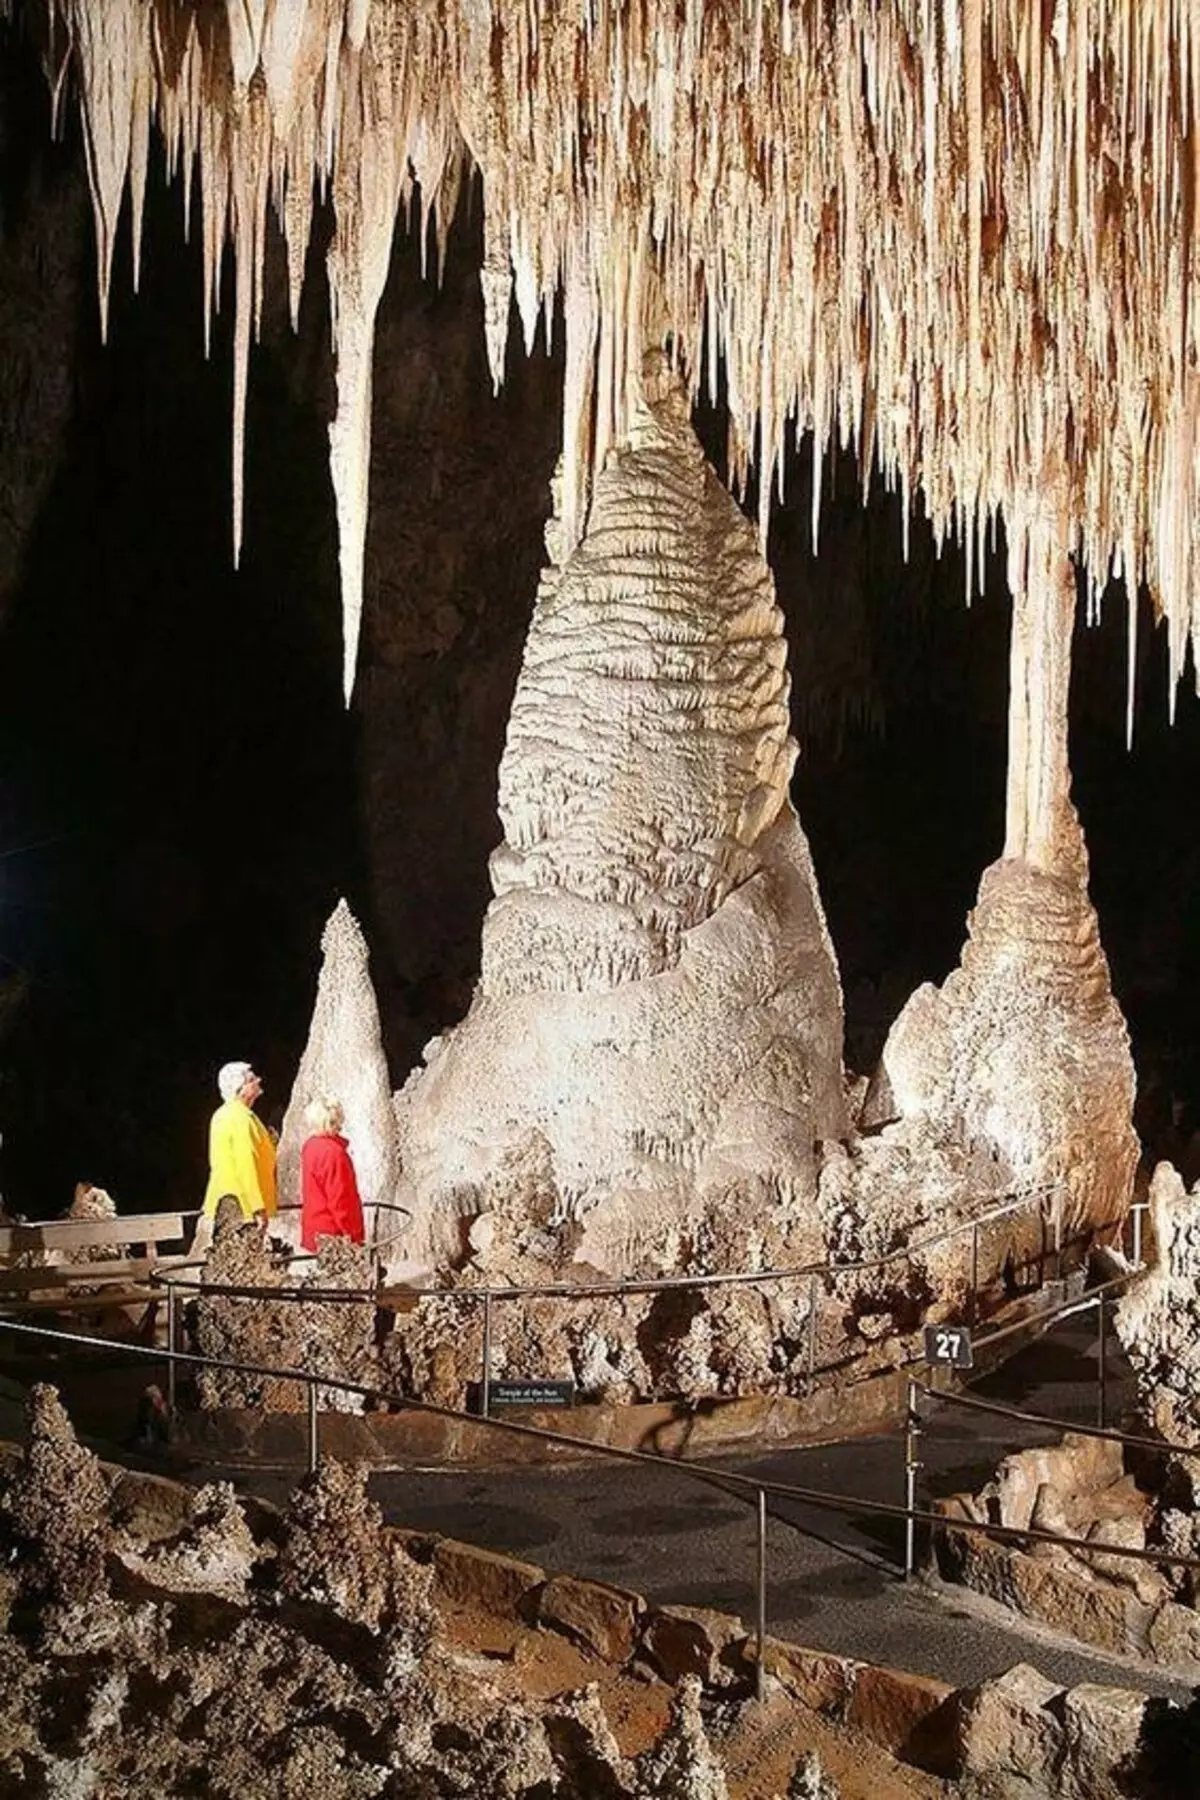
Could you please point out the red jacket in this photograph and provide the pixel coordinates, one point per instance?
(329, 1202)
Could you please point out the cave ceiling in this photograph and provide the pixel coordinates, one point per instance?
(957, 234)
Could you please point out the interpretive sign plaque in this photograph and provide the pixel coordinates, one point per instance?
(949, 1347)
(531, 1393)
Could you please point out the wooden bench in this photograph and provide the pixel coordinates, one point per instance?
(88, 1287)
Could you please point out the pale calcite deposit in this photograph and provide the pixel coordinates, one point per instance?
(659, 1005)
(1023, 1053)
(951, 234)
(343, 1059)
(1158, 1318)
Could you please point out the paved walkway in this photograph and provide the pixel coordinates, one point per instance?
(834, 1581)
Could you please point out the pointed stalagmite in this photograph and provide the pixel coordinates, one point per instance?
(344, 1060)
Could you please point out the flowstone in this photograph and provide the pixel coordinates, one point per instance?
(658, 1012)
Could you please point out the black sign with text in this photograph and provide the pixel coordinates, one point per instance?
(531, 1393)
(949, 1347)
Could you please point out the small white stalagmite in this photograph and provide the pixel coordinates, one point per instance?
(344, 1060)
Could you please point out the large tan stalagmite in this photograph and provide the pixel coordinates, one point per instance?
(658, 1020)
(1024, 1051)
(344, 1059)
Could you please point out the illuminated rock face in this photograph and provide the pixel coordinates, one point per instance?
(659, 1006)
(1158, 1319)
(1023, 1052)
(343, 1060)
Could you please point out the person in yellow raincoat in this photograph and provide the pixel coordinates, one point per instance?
(241, 1151)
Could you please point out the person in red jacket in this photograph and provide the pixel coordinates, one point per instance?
(329, 1202)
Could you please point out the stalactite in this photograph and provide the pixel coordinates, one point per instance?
(960, 236)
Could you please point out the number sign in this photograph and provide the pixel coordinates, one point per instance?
(949, 1347)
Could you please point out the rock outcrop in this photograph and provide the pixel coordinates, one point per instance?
(1099, 1589)
(1158, 1318)
(659, 1007)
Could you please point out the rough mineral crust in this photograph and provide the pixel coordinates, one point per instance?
(325, 1336)
(1023, 1052)
(343, 1060)
(659, 999)
(1158, 1318)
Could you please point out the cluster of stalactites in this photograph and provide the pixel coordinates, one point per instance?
(958, 233)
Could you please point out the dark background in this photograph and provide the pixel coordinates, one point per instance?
(182, 796)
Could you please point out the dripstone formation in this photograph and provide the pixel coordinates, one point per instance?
(659, 1009)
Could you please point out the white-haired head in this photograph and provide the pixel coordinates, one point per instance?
(324, 1115)
(232, 1078)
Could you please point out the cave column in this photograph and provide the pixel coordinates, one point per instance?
(1040, 824)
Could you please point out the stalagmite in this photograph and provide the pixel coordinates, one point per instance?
(658, 1019)
(957, 235)
(1023, 1051)
(344, 1060)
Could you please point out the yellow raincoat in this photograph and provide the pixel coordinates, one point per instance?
(241, 1160)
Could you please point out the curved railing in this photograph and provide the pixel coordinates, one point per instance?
(187, 1279)
(755, 1491)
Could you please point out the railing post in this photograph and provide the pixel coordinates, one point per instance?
(1102, 1370)
(811, 1370)
(314, 1448)
(912, 1431)
(1058, 1236)
(172, 1346)
(760, 1669)
(973, 1301)
(486, 1376)
(1137, 1235)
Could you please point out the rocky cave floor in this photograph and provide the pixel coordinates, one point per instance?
(166, 1641)
(162, 1640)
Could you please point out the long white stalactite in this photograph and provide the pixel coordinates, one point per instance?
(959, 233)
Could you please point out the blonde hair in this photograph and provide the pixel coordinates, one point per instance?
(323, 1115)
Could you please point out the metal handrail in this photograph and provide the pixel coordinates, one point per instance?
(954, 1397)
(754, 1490)
(593, 1289)
(176, 1280)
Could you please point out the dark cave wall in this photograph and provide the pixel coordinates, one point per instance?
(182, 795)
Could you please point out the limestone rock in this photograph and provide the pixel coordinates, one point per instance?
(601, 1617)
(1158, 1317)
(682, 1765)
(215, 1552)
(1023, 1050)
(56, 1507)
(1006, 1727)
(810, 1782)
(659, 997)
(344, 1059)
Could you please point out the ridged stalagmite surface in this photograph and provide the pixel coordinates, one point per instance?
(960, 233)
(344, 1060)
(659, 1001)
(1023, 1051)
